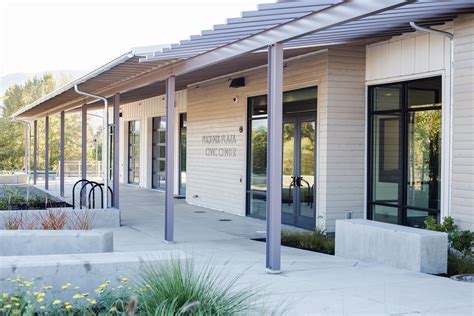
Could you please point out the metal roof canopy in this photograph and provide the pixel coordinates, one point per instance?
(297, 24)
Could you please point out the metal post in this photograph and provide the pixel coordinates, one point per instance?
(84, 142)
(115, 202)
(61, 154)
(274, 157)
(105, 155)
(46, 153)
(35, 150)
(169, 160)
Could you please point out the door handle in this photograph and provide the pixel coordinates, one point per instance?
(298, 181)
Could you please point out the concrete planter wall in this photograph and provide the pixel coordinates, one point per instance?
(46, 242)
(393, 245)
(109, 218)
(17, 178)
(87, 271)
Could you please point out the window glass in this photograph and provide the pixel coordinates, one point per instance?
(387, 97)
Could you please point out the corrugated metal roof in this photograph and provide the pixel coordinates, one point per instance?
(115, 75)
(388, 23)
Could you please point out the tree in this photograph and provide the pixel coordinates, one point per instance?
(12, 133)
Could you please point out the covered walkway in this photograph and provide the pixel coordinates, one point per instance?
(311, 283)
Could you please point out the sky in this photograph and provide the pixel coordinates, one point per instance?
(37, 36)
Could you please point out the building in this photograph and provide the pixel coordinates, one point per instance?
(370, 116)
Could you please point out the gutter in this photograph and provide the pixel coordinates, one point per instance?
(105, 142)
(450, 109)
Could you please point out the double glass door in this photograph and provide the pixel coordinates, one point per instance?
(299, 151)
(298, 171)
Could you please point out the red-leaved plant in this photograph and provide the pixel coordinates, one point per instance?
(52, 219)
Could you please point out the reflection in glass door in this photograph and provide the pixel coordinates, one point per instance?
(134, 152)
(298, 172)
(158, 177)
(299, 149)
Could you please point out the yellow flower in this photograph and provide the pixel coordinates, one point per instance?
(120, 287)
(66, 286)
(39, 300)
(28, 284)
(77, 288)
(113, 309)
(92, 301)
(124, 279)
(47, 287)
(56, 302)
(5, 295)
(8, 306)
(67, 305)
(42, 307)
(85, 294)
(76, 296)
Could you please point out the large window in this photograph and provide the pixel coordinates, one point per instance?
(134, 152)
(405, 151)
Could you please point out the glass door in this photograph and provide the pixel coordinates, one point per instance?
(299, 149)
(158, 177)
(298, 172)
(134, 152)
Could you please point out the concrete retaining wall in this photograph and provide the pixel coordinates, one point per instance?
(394, 245)
(87, 271)
(17, 178)
(109, 218)
(45, 242)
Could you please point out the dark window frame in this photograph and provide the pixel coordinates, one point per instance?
(404, 112)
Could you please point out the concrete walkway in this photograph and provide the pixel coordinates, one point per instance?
(311, 283)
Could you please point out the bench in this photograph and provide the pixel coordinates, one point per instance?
(393, 245)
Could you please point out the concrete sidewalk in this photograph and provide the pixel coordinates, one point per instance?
(311, 283)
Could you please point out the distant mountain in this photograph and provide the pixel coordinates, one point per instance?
(20, 77)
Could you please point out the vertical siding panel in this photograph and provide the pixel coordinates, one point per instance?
(436, 52)
(422, 53)
(383, 61)
(395, 60)
(408, 56)
(371, 62)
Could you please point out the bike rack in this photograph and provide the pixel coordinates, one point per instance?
(92, 194)
(74, 192)
(83, 193)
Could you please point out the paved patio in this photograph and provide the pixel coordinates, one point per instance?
(311, 283)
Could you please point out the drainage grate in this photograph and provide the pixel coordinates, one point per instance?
(199, 212)
(225, 220)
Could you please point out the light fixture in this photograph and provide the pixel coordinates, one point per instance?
(237, 82)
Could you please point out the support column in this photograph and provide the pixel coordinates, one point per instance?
(46, 153)
(84, 142)
(169, 160)
(35, 150)
(274, 157)
(61, 154)
(116, 186)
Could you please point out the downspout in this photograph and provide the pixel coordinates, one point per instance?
(105, 142)
(451, 102)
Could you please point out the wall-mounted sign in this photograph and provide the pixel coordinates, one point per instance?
(221, 146)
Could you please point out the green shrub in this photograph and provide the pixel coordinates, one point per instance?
(176, 288)
(316, 240)
(460, 256)
(3, 204)
(460, 265)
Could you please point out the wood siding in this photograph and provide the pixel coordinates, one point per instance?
(408, 54)
(342, 137)
(463, 130)
(220, 183)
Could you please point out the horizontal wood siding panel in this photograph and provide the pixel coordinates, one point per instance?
(463, 131)
(220, 182)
